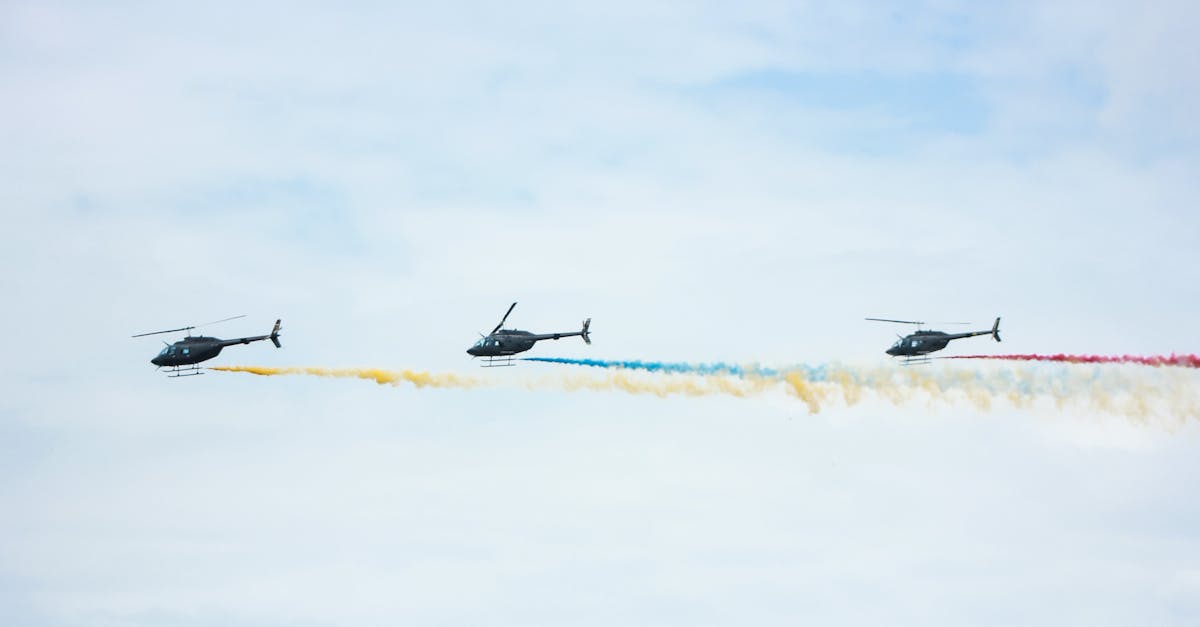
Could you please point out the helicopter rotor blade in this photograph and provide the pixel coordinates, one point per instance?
(221, 320)
(189, 328)
(896, 321)
(160, 332)
(510, 308)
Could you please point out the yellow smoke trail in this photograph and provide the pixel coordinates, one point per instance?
(1141, 395)
(657, 385)
(382, 377)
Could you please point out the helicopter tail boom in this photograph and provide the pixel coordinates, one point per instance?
(273, 336)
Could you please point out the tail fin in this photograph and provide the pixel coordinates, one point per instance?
(586, 338)
(275, 334)
(996, 330)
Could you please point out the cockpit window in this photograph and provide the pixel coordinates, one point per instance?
(164, 350)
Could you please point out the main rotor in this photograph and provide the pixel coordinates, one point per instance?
(191, 327)
(510, 308)
(916, 323)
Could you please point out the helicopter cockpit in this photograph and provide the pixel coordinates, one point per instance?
(903, 346)
(485, 346)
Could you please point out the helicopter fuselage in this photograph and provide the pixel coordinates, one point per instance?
(510, 342)
(193, 350)
(922, 343)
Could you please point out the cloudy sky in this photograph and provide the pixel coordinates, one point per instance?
(707, 182)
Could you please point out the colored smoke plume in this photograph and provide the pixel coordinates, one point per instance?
(1183, 361)
(1173, 394)
(717, 368)
(1140, 396)
(382, 377)
(615, 380)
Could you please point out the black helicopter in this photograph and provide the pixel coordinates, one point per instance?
(915, 346)
(181, 358)
(501, 344)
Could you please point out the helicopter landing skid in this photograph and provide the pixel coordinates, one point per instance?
(917, 361)
(192, 371)
(498, 362)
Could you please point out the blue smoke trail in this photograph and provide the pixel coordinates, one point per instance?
(812, 373)
(718, 368)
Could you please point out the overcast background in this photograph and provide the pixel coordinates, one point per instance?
(707, 182)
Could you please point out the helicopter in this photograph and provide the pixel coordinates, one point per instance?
(915, 347)
(181, 358)
(500, 345)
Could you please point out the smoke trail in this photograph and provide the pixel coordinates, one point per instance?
(718, 368)
(1109, 391)
(812, 373)
(1173, 394)
(610, 381)
(382, 377)
(1183, 361)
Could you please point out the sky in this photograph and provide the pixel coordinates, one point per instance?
(707, 182)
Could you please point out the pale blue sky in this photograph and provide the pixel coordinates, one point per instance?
(708, 182)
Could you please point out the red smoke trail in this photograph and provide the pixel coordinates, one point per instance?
(1183, 361)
